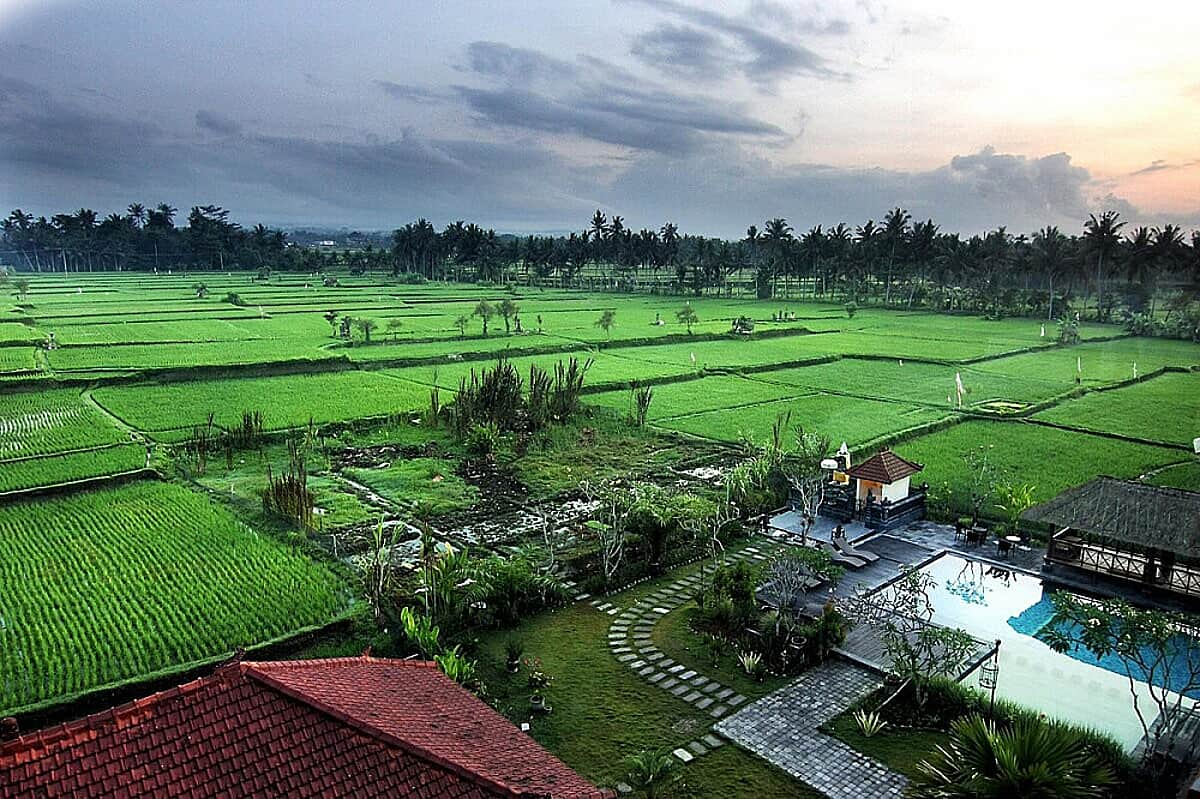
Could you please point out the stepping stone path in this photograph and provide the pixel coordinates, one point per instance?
(782, 728)
(630, 641)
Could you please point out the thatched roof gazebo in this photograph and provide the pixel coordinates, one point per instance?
(1126, 530)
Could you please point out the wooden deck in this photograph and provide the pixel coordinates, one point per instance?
(864, 646)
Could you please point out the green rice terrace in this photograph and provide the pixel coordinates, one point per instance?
(277, 464)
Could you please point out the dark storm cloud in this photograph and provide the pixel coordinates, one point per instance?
(972, 193)
(682, 50)
(40, 132)
(416, 94)
(761, 55)
(216, 123)
(593, 99)
(517, 64)
(409, 176)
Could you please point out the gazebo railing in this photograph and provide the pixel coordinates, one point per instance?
(1070, 549)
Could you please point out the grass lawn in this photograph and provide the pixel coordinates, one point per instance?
(900, 750)
(604, 713)
(427, 481)
(334, 505)
(674, 635)
(597, 446)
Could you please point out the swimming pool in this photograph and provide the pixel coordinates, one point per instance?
(991, 602)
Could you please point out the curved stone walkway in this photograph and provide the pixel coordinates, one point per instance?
(782, 727)
(629, 639)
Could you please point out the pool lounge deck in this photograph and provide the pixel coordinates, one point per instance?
(864, 646)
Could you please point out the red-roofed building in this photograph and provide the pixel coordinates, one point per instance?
(884, 475)
(340, 727)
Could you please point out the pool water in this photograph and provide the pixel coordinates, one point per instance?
(991, 603)
(1036, 619)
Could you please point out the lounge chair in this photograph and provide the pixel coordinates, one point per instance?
(854, 552)
(843, 559)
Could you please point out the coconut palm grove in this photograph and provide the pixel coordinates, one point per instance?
(554, 411)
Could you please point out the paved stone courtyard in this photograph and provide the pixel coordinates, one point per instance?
(783, 729)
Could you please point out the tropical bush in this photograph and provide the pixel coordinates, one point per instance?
(1029, 758)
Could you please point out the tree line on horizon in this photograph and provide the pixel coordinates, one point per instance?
(895, 262)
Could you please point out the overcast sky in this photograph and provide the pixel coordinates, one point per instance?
(527, 116)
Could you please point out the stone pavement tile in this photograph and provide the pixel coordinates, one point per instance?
(669, 683)
(678, 667)
(698, 748)
(624, 788)
(718, 711)
(680, 690)
(662, 664)
(713, 741)
(656, 677)
(620, 650)
(699, 681)
(725, 694)
(735, 700)
(704, 703)
(783, 728)
(684, 755)
(626, 658)
(637, 664)
(687, 675)
(693, 696)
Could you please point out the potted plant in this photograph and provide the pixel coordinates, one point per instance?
(538, 682)
(513, 649)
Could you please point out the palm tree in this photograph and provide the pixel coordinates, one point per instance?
(598, 228)
(895, 232)
(485, 311)
(137, 212)
(777, 235)
(1103, 237)
(1169, 250)
(1049, 258)
(1139, 266)
(1031, 759)
(508, 309)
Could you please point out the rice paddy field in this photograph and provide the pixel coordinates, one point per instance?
(136, 577)
(102, 586)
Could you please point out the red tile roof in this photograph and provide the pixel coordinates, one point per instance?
(885, 467)
(337, 727)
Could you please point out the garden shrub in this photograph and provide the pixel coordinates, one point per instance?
(947, 700)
